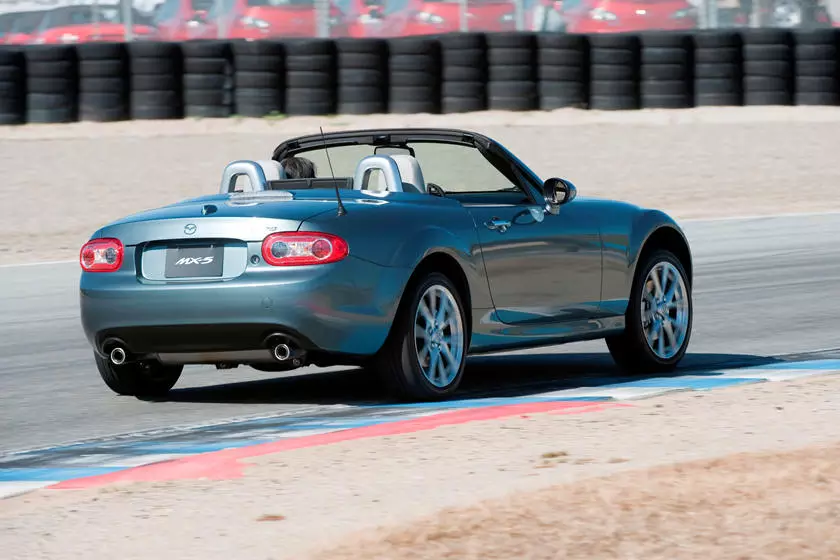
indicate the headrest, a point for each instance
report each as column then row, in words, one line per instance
column 259, row 173
column 272, row 169
column 412, row 175
column 388, row 170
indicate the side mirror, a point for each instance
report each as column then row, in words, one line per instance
column 558, row 192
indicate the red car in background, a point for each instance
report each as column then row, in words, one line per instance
column 265, row 19
column 397, row 18
column 21, row 28
column 613, row 16
column 181, row 20
column 85, row 23
column 442, row 16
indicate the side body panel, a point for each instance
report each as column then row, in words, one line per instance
column 543, row 268
column 402, row 229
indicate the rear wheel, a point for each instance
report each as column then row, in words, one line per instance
column 147, row 379
column 658, row 319
column 425, row 354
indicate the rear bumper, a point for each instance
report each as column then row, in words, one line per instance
column 341, row 308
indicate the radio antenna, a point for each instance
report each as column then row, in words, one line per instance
column 341, row 210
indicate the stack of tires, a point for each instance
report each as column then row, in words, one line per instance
column 12, row 87
column 768, row 67
column 414, row 75
column 362, row 76
column 103, row 82
column 666, row 71
column 310, row 77
column 52, row 84
column 208, row 78
column 156, row 71
column 817, row 56
column 512, row 72
column 614, row 72
column 260, row 78
column 562, row 71
column 718, row 69
column 464, row 72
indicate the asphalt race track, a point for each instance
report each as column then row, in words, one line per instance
column 764, row 287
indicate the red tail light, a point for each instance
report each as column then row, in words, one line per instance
column 303, row 248
column 101, row 255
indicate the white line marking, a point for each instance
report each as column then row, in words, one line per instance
column 771, row 374
column 38, row 263
column 747, row 218
column 139, row 461
column 9, row 489
column 616, row 393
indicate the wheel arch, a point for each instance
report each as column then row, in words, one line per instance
column 448, row 265
column 669, row 238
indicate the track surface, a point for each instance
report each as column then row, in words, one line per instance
column 764, row 286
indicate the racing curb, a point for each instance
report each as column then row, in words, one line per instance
column 225, row 465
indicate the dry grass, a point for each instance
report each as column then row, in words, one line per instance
column 773, row 505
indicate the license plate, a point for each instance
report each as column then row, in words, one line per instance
column 194, row 262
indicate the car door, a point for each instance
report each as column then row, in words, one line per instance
column 540, row 267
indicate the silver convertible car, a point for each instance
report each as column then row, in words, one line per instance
column 407, row 251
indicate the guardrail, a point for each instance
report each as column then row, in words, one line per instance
column 449, row 73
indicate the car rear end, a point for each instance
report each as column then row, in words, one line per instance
column 230, row 289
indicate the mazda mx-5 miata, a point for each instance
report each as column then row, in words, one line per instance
column 409, row 250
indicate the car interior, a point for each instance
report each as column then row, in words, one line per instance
column 377, row 173
column 396, row 168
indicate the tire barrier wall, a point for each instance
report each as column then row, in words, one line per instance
column 450, row 73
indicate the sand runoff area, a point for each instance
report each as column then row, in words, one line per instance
column 748, row 472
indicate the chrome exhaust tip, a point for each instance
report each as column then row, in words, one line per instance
column 118, row 356
column 282, row 352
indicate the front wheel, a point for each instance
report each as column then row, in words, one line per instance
column 425, row 354
column 147, row 379
column 658, row 319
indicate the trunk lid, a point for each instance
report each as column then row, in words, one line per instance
column 211, row 237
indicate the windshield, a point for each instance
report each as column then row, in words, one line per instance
column 168, row 10
column 27, row 23
column 85, row 15
column 455, row 168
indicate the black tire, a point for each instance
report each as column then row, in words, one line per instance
column 630, row 349
column 151, row 379
column 397, row 363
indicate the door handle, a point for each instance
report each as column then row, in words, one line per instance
column 499, row 225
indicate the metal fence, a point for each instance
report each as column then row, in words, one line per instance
column 76, row 21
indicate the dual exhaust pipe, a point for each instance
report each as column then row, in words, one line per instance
column 114, row 349
column 282, row 349
column 118, row 356
column 281, row 352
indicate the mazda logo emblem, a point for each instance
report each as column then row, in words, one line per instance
column 189, row 229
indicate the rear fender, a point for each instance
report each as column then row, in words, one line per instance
column 466, row 252
column 401, row 236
